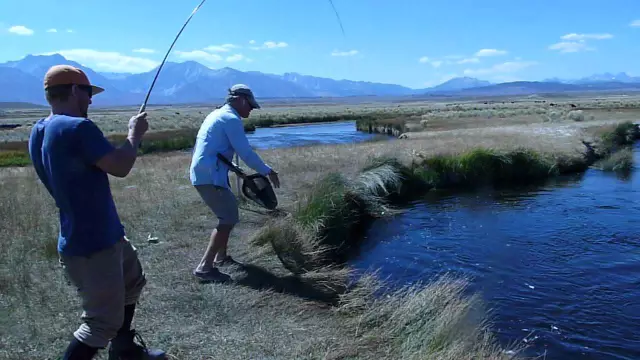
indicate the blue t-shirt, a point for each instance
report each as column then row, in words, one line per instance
column 63, row 151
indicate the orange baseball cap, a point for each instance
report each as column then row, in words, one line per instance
column 65, row 75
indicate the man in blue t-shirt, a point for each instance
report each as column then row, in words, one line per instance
column 73, row 158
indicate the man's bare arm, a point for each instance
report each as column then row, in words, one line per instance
column 120, row 161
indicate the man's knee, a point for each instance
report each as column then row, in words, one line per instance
column 100, row 325
column 225, row 228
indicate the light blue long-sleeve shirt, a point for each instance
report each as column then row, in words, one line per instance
column 222, row 131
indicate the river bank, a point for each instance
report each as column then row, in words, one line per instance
column 308, row 315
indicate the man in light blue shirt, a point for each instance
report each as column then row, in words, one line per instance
column 223, row 132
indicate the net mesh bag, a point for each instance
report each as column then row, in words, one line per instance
column 258, row 188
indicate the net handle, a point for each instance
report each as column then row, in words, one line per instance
column 232, row 166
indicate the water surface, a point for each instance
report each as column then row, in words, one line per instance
column 309, row 134
column 558, row 265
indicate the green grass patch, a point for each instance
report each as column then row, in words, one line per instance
column 481, row 167
column 160, row 141
column 14, row 158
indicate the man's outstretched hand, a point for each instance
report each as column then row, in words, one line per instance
column 273, row 177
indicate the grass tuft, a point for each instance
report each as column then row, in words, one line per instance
column 613, row 138
column 620, row 161
column 434, row 321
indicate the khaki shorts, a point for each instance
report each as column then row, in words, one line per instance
column 106, row 281
column 222, row 201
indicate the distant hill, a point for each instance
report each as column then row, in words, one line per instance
column 519, row 88
column 600, row 78
column 20, row 105
column 192, row 82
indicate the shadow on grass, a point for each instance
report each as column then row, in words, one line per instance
column 258, row 278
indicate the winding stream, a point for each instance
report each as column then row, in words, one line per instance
column 557, row 265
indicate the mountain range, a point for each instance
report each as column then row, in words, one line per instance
column 192, row 82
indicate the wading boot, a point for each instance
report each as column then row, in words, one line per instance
column 124, row 348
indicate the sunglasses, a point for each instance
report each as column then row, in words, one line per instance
column 86, row 88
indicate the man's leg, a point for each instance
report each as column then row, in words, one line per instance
column 123, row 345
column 224, row 205
column 99, row 282
column 217, row 245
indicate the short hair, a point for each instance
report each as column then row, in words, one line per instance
column 58, row 92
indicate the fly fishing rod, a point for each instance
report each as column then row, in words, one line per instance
column 195, row 10
column 144, row 104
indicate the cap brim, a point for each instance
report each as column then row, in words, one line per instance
column 253, row 102
column 96, row 90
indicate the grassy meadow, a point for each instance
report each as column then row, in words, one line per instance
column 293, row 299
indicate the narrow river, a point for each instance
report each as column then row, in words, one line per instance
column 558, row 265
column 342, row 132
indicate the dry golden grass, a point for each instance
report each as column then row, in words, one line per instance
column 268, row 313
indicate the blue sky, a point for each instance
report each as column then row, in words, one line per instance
column 416, row 44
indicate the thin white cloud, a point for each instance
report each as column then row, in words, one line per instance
column 52, row 30
column 252, row 42
column 210, row 58
column 469, row 61
column 199, row 55
column 344, row 53
column 144, row 51
column 235, row 58
column 506, row 67
column 221, row 48
column 271, row 45
column 582, row 37
column 434, row 63
column 20, row 30
column 108, row 60
column 574, row 42
column 571, row 47
column 635, row 23
column 69, row 31
column 490, row 52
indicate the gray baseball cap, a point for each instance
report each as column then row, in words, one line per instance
column 242, row 89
